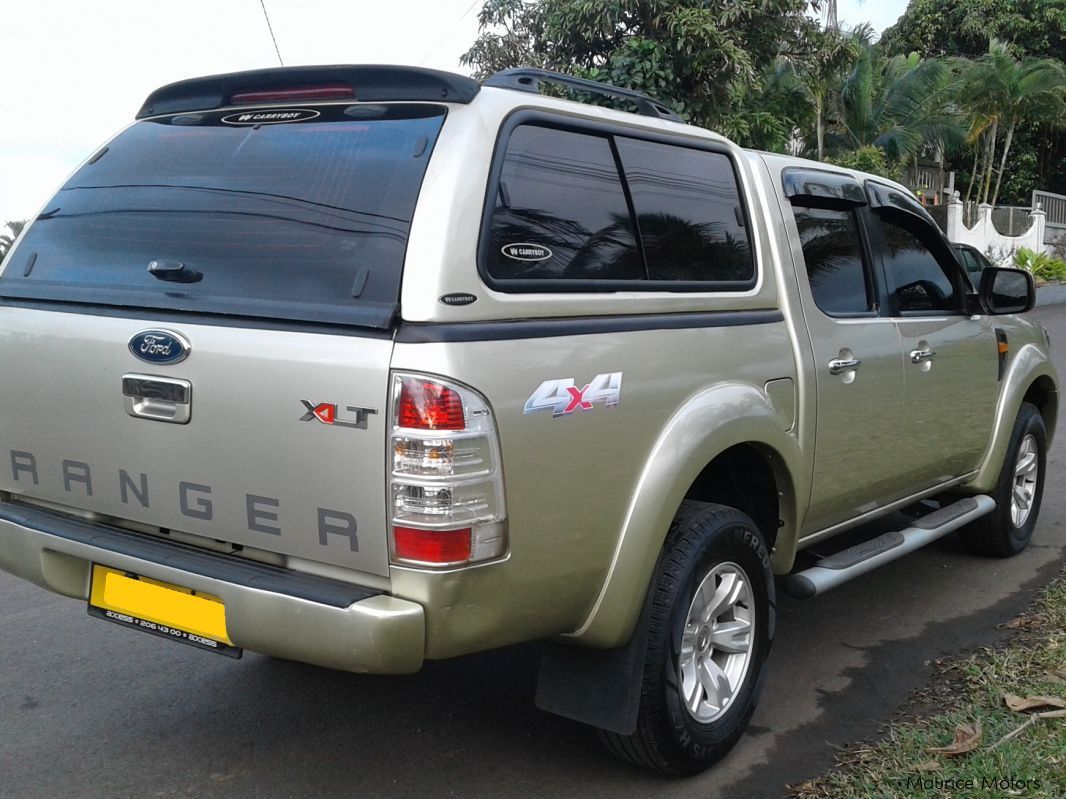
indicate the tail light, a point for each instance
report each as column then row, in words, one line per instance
column 446, row 490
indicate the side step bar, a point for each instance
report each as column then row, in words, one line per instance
column 867, row 556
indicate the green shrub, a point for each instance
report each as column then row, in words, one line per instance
column 1041, row 265
column 867, row 159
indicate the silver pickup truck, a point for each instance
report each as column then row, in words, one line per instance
column 363, row 366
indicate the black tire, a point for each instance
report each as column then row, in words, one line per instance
column 668, row 738
column 996, row 534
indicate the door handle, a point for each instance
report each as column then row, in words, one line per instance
column 918, row 356
column 161, row 399
column 838, row 366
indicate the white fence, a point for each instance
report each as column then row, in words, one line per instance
column 1054, row 205
column 984, row 236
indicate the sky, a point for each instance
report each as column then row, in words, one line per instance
column 76, row 73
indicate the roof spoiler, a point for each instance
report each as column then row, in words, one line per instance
column 369, row 82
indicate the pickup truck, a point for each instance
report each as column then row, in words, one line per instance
column 363, row 366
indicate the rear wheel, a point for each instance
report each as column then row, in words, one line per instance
column 708, row 640
column 1007, row 530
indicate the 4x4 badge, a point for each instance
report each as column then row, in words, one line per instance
column 562, row 396
column 332, row 414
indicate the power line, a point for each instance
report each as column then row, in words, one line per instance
column 271, row 29
column 447, row 35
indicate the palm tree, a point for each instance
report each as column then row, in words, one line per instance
column 1000, row 93
column 817, row 74
column 7, row 239
column 901, row 104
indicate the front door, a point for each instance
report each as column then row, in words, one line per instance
column 950, row 357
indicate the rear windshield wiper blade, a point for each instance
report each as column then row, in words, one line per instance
column 174, row 271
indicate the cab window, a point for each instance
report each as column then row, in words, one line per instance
column 688, row 212
column 576, row 209
column 560, row 211
column 832, row 252
column 917, row 281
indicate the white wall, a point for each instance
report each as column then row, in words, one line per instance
column 1000, row 249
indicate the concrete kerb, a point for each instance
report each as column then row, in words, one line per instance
column 1051, row 293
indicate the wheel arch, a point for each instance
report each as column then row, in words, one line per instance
column 752, row 478
column 1044, row 394
column 1030, row 378
column 719, row 437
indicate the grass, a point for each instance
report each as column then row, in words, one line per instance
column 1030, row 764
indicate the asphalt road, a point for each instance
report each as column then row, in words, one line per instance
column 91, row 710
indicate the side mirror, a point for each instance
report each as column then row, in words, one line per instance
column 1005, row 291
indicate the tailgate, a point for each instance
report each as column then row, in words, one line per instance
column 281, row 232
column 254, row 465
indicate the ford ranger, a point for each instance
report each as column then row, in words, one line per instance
column 364, row 366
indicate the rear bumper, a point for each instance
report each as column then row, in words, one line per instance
column 270, row 610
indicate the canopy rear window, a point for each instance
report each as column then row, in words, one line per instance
column 282, row 215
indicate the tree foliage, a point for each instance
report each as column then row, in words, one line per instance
column 817, row 72
column 704, row 58
column 1028, row 29
column 901, row 104
column 1001, row 93
column 511, row 35
column 769, row 77
column 8, row 238
column 935, row 28
column 963, row 27
column 866, row 159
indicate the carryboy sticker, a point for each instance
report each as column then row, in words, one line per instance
column 273, row 116
column 523, row 251
column 459, row 298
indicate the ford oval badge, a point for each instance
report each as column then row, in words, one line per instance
column 160, row 346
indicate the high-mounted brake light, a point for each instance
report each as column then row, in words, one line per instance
column 328, row 91
column 446, row 491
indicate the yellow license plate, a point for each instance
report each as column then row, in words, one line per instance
column 170, row 611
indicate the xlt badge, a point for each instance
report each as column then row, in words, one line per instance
column 333, row 414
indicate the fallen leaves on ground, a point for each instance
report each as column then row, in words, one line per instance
column 1020, row 705
column 967, row 738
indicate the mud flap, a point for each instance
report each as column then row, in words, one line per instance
column 599, row 687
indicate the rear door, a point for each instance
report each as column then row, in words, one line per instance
column 857, row 359
column 195, row 335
